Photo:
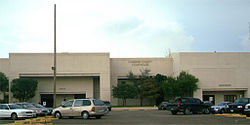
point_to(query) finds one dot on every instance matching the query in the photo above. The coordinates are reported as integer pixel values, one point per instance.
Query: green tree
(160, 80)
(23, 89)
(124, 91)
(150, 89)
(138, 81)
(4, 85)
(187, 84)
(169, 88)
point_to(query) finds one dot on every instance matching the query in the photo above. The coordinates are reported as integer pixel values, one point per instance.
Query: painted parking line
(233, 115)
(35, 121)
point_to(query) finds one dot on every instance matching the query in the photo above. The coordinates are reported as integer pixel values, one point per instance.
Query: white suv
(81, 107)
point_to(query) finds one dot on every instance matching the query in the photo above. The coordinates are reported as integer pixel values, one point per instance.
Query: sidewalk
(134, 109)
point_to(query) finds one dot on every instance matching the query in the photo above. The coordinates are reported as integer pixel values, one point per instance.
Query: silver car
(39, 111)
(15, 112)
(220, 107)
(84, 108)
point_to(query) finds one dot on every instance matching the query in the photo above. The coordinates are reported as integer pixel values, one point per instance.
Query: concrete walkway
(134, 108)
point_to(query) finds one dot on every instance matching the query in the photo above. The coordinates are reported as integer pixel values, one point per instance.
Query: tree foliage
(161, 87)
(187, 84)
(4, 83)
(182, 86)
(138, 81)
(24, 89)
(124, 91)
(150, 89)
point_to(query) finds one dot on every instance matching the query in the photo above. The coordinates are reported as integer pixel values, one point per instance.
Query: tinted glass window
(241, 101)
(4, 107)
(68, 104)
(86, 103)
(221, 104)
(78, 103)
(82, 103)
(108, 103)
(98, 102)
(197, 101)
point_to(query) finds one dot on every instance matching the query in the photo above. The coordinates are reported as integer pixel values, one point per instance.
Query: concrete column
(105, 88)
(198, 94)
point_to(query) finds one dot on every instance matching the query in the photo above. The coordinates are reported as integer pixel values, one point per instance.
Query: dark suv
(239, 105)
(188, 106)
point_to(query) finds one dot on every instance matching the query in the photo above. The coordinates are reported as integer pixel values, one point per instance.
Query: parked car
(221, 107)
(239, 105)
(163, 106)
(15, 112)
(47, 111)
(81, 107)
(108, 104)
(39, 111)
(188, 106)
(247, 110)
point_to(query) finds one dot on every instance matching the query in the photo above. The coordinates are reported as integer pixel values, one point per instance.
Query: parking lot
(150, 117)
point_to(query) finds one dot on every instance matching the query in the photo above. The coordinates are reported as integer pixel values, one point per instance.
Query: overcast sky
(125, 28)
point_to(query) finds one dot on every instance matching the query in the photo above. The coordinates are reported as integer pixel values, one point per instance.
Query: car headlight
(239, 106)
(38, 111)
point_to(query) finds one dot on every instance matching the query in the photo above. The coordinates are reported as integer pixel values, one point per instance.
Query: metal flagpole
(54, 68)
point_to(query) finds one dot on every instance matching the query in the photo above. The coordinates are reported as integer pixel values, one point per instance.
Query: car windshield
(15, 107)
(241, 101)
(221, 104)
(38, 106)
(27, 106)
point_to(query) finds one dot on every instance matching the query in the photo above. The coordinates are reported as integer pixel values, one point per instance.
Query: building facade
(222, 76)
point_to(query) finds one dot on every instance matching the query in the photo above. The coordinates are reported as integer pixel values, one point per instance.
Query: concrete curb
(233, 115)
(35, 121)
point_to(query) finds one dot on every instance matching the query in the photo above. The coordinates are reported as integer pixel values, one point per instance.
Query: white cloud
(139, 38)
(246, 43)
(85, 26)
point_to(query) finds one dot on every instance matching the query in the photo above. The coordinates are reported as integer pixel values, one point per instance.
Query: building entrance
(48, 99)
(210, 98)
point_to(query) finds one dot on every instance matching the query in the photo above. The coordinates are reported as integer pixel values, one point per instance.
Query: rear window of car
(98, 103)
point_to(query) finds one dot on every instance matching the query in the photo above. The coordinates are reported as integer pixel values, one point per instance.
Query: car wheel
(187, 111)
(85, 115)
(98, 117)
(58, 115)
(206, 111)
(14, 116)
(174, 112)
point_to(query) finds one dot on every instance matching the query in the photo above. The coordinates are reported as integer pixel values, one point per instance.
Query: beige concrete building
(223, 76)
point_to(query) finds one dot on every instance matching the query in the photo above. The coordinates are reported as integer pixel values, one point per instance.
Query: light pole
(54, 68)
